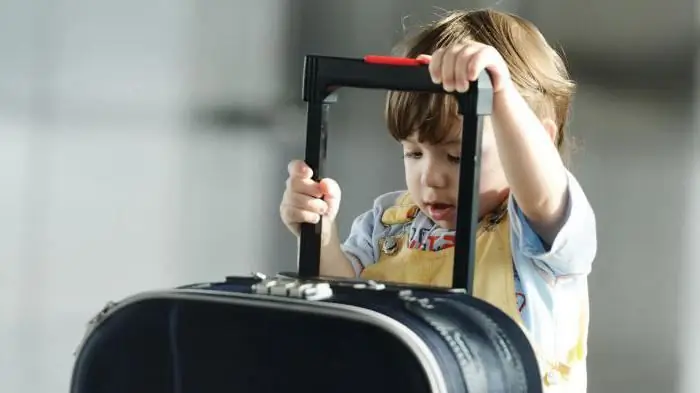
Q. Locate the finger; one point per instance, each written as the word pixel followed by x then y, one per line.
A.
pixel 304 186
pixel 448 67
pixel 425 59
pixel 479 62
pixel 461 67
pixel 298 168
pixel 307 203
pixel 331 194
pixel 330 188
pixel 293 216
pixel 435 66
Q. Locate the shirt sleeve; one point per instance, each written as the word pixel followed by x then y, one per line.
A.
pixel 358 246
pixel 361 246
pixel 575 246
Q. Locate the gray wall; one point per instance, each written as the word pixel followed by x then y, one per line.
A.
pixel 140 149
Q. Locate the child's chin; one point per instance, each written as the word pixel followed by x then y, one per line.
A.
pixel 444 224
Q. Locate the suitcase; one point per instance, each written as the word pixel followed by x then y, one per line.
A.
pixel 299 332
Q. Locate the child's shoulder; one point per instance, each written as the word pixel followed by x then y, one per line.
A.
pixel 389 199
pixel 395 208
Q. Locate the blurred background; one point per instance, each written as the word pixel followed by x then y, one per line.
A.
pixel 143 144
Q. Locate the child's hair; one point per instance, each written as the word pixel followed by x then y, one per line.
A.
pixel 537 70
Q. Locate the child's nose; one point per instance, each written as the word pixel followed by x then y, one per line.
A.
pixel 434 177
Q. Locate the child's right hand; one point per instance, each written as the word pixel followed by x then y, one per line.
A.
pixel 306 201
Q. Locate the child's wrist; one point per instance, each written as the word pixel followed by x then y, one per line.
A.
pixel 507 100
pixel 329 236
pixel 508 92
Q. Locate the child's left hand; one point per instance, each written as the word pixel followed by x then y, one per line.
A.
pixel 459 64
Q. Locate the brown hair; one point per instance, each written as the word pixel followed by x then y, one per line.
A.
pixel 537 70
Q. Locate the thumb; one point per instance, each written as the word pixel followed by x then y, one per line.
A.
pixel 331 194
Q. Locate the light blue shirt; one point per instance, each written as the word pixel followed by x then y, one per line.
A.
pixel 551 283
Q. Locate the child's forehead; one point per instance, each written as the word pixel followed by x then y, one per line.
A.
pixel 445 136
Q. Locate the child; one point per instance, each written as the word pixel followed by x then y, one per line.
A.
pixel 537 236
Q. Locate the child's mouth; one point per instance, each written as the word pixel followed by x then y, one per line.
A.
pixel 441 211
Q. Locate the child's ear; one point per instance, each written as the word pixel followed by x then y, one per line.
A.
pixel 551 127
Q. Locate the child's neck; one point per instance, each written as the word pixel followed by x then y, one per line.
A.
pixel 491 201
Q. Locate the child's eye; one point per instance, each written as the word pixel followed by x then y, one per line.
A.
pixel 454 159
pixel 412 154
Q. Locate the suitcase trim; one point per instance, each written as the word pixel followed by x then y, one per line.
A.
pixel 409 338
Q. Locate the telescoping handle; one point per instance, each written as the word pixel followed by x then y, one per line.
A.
pixel 324 74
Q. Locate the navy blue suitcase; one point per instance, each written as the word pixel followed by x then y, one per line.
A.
pixel 299 332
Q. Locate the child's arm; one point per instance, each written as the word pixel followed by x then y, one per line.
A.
pixel 535 172
pixel 347 259
pixel 553 222
pixel 334 262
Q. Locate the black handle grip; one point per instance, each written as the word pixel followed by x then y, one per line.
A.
pixel 324 74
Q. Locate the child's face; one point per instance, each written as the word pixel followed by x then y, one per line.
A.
pixel 432 176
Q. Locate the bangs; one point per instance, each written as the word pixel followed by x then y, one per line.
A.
pixel 432 117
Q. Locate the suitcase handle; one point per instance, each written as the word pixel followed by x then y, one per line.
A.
pixel 324 74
